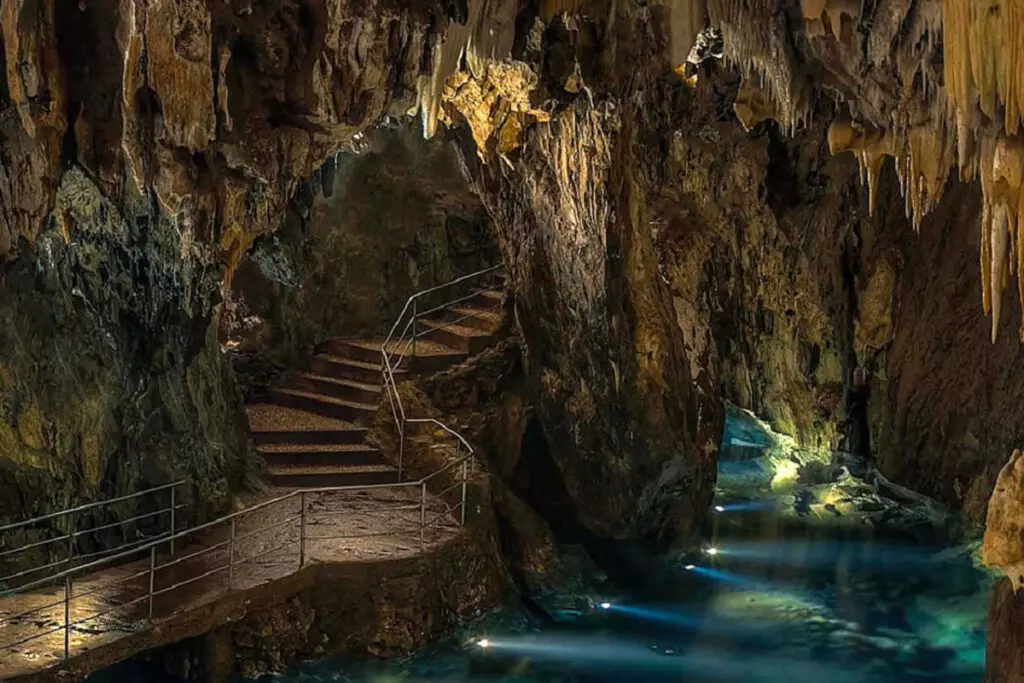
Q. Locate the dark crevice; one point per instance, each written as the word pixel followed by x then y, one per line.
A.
pixel 855 435
pixel 539 482
pixel 511 549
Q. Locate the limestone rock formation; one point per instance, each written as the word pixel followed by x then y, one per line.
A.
pixel 1003 548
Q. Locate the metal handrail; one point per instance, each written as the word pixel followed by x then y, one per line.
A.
pixel 388 367
pixel 300 518
pixel 90 506
pixel 69 536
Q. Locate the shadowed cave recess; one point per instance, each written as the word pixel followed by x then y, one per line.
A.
pixel 738 349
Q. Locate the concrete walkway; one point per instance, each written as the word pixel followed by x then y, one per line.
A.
pixel 110 605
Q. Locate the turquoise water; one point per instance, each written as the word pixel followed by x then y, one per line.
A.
pixel 805 574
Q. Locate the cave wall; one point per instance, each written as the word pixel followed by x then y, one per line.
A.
pixel 144 146
pixel 945 410
pixel 371 227
pixel 110 376
pixel 631 432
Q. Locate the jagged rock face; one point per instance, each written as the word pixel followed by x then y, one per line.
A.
pixel 197 122
pixel 110 377
pixel 367 231
pixel 933 85
pixel 631 433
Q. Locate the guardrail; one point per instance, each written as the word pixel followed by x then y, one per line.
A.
pixel 215 550
pixel 63 550
pixel 396 350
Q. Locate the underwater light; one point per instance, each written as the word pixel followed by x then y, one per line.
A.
pixel 605 605
pixel 690 567
pixel 484 643
pixel 712 551
pixel 719 508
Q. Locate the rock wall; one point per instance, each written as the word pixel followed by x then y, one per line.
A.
pixel 371 227
pixel 144 146
pixel 110 376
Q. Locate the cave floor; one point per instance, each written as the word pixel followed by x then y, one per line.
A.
pixel 110 605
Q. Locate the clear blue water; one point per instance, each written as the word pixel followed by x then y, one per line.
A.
pixel 819 582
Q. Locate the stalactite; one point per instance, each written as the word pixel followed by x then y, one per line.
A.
pixel 753 32
pixel 998 263
pixel 487 35
pixel 983 50
pixel 686 19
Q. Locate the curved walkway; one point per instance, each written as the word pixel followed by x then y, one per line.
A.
pixel 155 588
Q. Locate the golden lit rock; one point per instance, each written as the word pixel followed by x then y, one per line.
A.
pixel 1003 545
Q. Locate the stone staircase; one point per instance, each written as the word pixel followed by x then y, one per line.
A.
pixel 312 430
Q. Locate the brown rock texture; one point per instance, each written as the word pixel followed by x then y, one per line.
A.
pixel 137 166
pixel 366 231
pixel 1004 657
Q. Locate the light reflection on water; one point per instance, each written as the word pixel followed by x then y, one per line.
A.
pixel 779 603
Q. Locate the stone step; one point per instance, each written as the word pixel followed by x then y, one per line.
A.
pixel 327 455
pixel 352 411
pixel 346 389
pixel 487 298
pixel 326 365
pixel 275 424
pixel 316 477
pixel 364 351
pixel 434 362
pixel 471 316
pixel 466 339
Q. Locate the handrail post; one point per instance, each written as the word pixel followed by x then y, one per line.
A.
pixel 173 511
pixel 465 477
pixel 67 616
pixel 302 530
pixel 152 579
pixel 231 557
pixel 71 541
pixel 423 513
pixel 414 326
pixel 401 445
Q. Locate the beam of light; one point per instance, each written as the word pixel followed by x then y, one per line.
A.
pixel 822 554
pixel 748 584
pixel 583 651
pixel 729 628
pixel 605 605
pixel 747 506
pixel 703 663
pixel 711 551
pixel 660 616
pixel 483 643
pixel 725 577
pixel 690 567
